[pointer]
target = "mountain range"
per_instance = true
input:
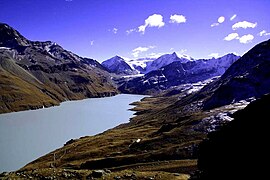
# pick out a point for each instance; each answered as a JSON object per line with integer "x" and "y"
{"x": 184, "y": 130}
{"x": 179, "y": 71}
{"x": 119, "y": 65}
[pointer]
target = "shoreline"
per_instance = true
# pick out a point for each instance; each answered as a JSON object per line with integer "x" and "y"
{"x": 74, "y": 137}
{"x": 58, "y": 103}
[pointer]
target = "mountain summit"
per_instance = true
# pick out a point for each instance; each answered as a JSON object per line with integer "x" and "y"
{"x": 118, "y": 65}
{"x": 11, "y": 38}
{"x": 165, "y": 60}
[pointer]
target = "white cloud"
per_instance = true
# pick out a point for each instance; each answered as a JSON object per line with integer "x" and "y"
{"x": 243, "y": 39}
{"x": 263, "y": 33}
{"x": 155, "y": 20}
{"x": 92, "y": 43}
{"x": 135, "y": 54}
{"x": 114, "y": 30}
{"x": 214, "y": 24}
{"x": 177, "y": 19}
{"x": 231, "y": 37}
{"x": 138, "y": 50}
{"x": 244, "y": 24}
{"x": 233, "y": 17}
{"x": 142, "y": 28}
{"x": 221, "y": 19}
{"x": 130, "y": 31}
{"x": 182, "y": 51}
{"x": 246, "y": 39}
{"x": 214, "y": 55}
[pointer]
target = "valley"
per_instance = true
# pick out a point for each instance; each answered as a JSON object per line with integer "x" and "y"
{"x": 192, "y": 101}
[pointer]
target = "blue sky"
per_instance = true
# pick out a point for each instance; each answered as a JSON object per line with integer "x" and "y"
{"x": 133, "y": 29}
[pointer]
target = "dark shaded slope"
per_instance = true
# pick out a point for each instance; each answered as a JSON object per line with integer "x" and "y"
{"x": 246, "y": 78}
{"x": 239, "y": 149}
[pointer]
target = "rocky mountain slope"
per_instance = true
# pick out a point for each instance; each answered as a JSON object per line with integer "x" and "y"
{"x": 40, "y": 74}
{"x": 176, "y": 73}
{"x": 246, "y": 78}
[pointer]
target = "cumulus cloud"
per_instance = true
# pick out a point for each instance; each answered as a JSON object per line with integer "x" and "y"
{"x": 177, "y": 19}
{"x": 233, "y": 17}
{"x": 243, "y": 39}
{"x": 246, "y": 39}
{"x": 155, "y": 20}
{"x": 214, "y": 55}
{"x": 221, "y": 19}
{"x": 244, "y": 24}
{"x": 138, "y": 50}
{"x": 231, "y": 37}
{"x": 263, "y": 33}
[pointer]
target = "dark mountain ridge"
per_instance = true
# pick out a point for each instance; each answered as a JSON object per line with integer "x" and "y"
{"x": 40, "y": 74}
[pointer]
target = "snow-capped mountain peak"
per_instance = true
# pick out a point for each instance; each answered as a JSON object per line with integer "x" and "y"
{"x": 165, "y": 60}
{"x": 118, "y": 65}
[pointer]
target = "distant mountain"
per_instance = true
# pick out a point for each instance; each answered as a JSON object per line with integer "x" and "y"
{"x": 118, "y": 65}
{"x": 165, "y": 60}
{"x": 40, "y": 74}
{"x": 180, "y": 71}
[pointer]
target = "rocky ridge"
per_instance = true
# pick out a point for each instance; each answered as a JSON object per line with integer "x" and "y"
{"x": 46, "y": 71}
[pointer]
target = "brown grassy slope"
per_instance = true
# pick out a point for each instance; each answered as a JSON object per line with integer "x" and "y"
{"x": 161, "y": 141}
{"x": 23, "y": 89}
{"x": 17, "y": 89}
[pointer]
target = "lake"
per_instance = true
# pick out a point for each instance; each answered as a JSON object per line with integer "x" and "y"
{"x": 27, "y": 135}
